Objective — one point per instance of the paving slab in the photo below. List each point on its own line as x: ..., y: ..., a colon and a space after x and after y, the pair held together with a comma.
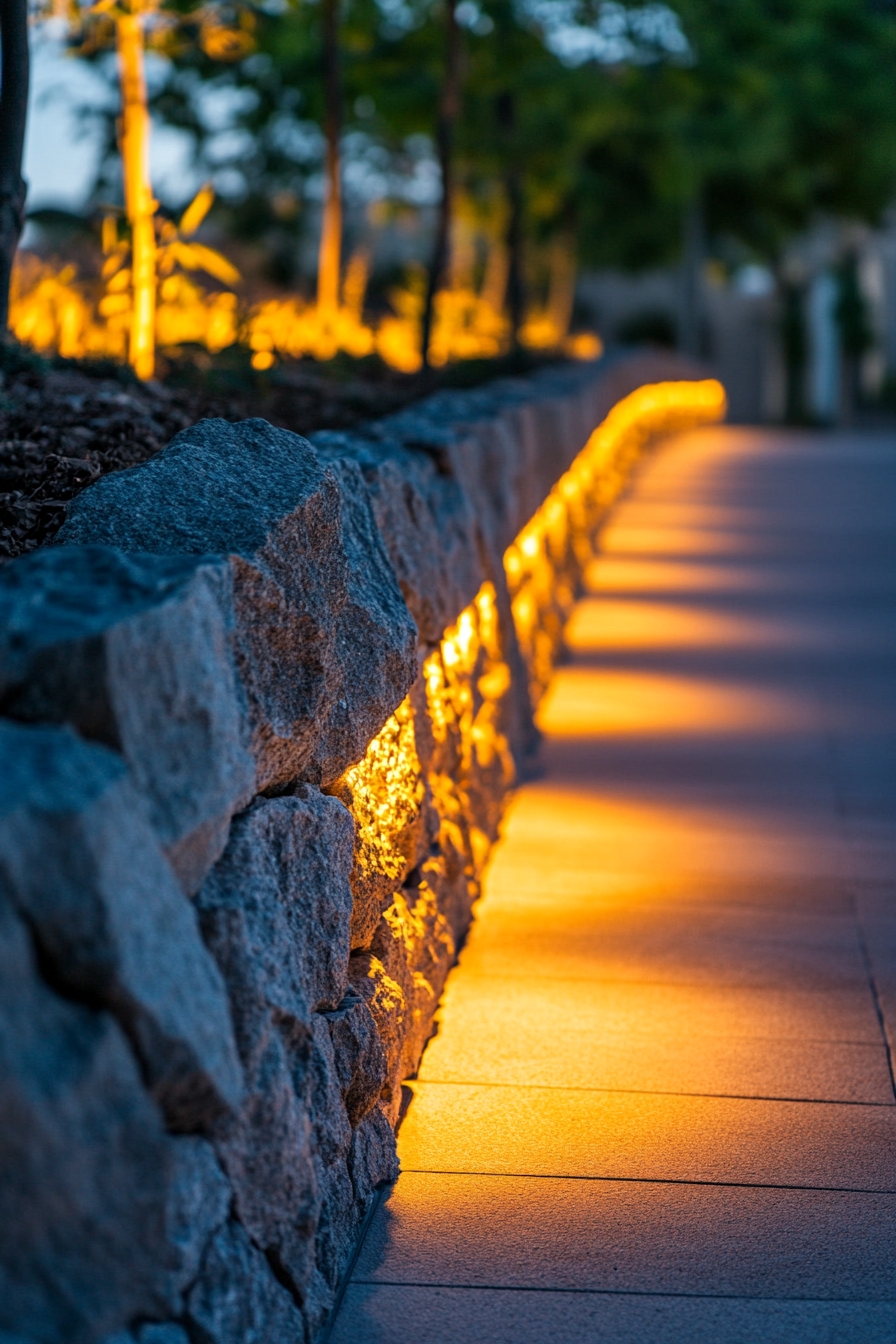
x: 632, y: 1236
x: 457, y: 1127
x: 632, y: 1037
x: 393, y: 1314
x: 654, y: 943
x: 659, y: 1106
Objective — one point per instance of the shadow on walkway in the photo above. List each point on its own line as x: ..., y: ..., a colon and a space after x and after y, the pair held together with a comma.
x: 660, y: 1105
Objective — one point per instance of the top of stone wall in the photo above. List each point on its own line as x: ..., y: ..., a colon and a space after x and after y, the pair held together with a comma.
x: 245, y: 609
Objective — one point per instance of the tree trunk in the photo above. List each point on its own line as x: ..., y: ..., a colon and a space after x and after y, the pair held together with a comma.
x: 138, y: 199
x: 449, y: 106
x: 505, y: 110
x: 329, y: 259
x: 13, y: 116
x: 693, y: 256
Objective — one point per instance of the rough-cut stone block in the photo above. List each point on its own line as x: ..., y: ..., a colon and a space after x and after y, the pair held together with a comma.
x: 395, y: 822
x: 136, y: 652
x: 276, y: 912
x: 325, y: 643
x: 84, y: 1166
x: 169, y: 1333
x: 267, y: 1154
x: 359, y: 1057
x: 237, y: 1299
x: 198, y: 1203
x: 373, y: 1160
x: 337, y: 1219
x: 82, y: 865
x: 417, y: 549
x: 425, y: 520
x: 415, y: 946
x: 400, y: 980
x: 346, y: 1173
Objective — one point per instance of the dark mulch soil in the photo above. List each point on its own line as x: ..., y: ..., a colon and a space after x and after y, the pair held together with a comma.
x: 64, y: 425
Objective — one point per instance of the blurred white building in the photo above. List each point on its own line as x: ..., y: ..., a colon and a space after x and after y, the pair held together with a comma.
x: 741, y: 324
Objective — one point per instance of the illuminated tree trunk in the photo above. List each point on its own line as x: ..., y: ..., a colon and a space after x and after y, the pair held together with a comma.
x: 13, y: 114
x: 139, y: 204
x: 448, y: 110
x: 329, y: 260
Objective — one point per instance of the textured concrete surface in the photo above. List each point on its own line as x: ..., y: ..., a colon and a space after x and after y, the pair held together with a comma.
x: 660, y: 1103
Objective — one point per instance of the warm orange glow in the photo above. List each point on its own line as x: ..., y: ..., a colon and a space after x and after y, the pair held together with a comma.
x: 146, y: 301
x: 466, y: 325
x: 386, y: 791
x: 663, y: 980
x: 139, y: 204
x: 545, y: 562
x: 614, y: 625
x: 52, y: 310
x: 617, y: 574
x: 330, y: 256
x: 547, y: 328
x: 598, y: 702
x: 465, y: 682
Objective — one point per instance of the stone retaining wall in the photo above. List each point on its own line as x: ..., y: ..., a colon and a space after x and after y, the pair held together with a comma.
x: 262, y: 705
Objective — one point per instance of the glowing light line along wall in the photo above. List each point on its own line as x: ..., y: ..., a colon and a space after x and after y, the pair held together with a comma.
x: 263, y: 704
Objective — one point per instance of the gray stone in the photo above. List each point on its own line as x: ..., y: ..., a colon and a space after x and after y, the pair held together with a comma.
x: 425, y: 521
x: 325, y: 643
x: 276, y: 910
x: 373, y: 1160
x: 267, y: 1153
x: 391, y: 840
x: 84, y: 1166
x: 359, y: 1057
x: 342, y: 1207
x: 136, y: 652
x: 375, y: 635
x: 419, y: 556
x: 337, y: 1219
x: 414, y: 945
x: 237, y: 1299
x: 393, y: 1014
x: 82, y: 865
x: 276, y: 913
x: 198, y: 1203
x: 332, y: 1131
x: 168, y: 1333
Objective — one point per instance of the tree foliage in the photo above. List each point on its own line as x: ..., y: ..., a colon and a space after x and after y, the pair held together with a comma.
x: 608, y: 120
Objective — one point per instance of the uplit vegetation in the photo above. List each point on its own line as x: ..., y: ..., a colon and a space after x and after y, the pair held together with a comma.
x: 420, y: 179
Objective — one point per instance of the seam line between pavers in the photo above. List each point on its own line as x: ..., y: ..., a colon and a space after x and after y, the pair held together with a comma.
x: 616, y: 1292
x: 876, y: 999
x: 765, y: 987
x: 643, y: 1033
x: 843, y: 821
x: 647, y: 1180
x: 650, y: 1092
x: 764, y: 909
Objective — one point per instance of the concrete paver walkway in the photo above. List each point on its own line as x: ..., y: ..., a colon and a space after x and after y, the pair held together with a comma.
x: 660, y: 1104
